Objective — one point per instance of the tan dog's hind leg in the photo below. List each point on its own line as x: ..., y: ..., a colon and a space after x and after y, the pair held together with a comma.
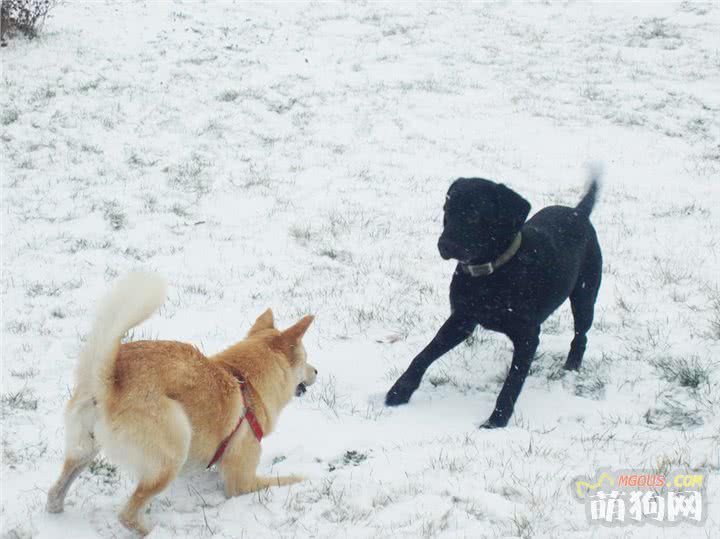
x: 71, y: 470
x: 155, y: 444
x: 80, y: 447
x: 239, y: 468
x: 131, y: 516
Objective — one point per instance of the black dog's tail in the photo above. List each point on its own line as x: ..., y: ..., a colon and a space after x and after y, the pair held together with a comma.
x: 584, y: 208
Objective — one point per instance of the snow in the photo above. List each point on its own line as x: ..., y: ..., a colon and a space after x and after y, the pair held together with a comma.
x: 297, y: 156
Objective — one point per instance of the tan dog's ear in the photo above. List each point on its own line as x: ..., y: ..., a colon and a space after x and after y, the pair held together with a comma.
x: 264, y: 321
x: 293, y: 334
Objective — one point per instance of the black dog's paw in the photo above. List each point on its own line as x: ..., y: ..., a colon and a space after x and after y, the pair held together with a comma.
x: 399, y: 394
x: 494, y: 422
x: 571, y: 366
x: 396, y: 398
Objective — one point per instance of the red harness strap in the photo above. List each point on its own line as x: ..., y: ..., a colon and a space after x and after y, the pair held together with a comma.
x: 252, y: 421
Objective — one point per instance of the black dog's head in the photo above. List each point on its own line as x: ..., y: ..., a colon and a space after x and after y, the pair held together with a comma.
x: 481, y: 220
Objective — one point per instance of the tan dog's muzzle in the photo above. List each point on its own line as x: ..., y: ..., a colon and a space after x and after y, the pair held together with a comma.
x: 308, y: 380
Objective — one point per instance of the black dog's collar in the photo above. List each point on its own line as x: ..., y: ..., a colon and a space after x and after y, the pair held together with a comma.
x: 483, y: 270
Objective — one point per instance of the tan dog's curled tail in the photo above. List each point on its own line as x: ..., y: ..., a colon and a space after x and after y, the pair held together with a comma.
x: 131, y: 301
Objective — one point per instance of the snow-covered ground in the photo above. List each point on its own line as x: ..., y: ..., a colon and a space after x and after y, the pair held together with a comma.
x: 297, y: 156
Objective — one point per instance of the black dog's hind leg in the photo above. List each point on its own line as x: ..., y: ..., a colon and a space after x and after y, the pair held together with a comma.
x: 524, y: 345
x: 455, y: 330
x: 582, y: 301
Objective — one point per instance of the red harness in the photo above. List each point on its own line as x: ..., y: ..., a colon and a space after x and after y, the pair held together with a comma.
x: 251, y: 419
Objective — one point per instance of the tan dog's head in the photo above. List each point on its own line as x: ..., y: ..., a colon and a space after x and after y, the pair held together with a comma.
x: 289, y: 343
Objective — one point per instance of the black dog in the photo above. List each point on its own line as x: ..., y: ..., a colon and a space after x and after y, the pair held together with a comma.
x: 510, y: 277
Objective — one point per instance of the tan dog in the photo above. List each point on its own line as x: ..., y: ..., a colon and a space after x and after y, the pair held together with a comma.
x: 155, y: 406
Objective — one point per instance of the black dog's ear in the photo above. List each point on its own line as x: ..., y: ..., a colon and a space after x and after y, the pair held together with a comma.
x: 453, y: 187
x: 512, y: 208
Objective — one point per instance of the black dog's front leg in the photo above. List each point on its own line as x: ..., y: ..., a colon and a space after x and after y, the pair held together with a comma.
x: 524, y: 345
x: 455, y: 330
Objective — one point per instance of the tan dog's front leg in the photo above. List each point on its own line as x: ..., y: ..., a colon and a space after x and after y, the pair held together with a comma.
x: 253, y: 484
x: 239, y: 469
x: 277, y: 481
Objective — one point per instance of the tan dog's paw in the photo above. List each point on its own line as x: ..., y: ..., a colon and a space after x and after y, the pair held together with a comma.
x: 238, y: 488
x: 280, y: 480
x: 133, y: 523
x: 54, y: 503
x: 290, y: 479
